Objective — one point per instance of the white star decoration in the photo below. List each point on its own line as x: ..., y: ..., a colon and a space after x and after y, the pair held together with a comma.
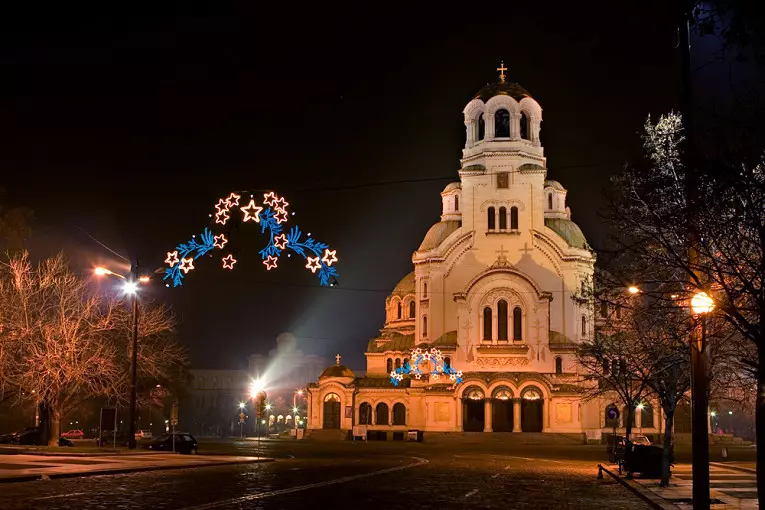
x: 329, y: 257
x: 251, y: 212
x: 313, y: 264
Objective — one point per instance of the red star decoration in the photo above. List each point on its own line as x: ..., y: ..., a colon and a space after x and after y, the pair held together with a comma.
x: 313, y: 264
x: 172, y: 258
x: 233, y: 200
x: 251, y: 212
x: 221, y: 217
x: 280, y: 216
x: 270, y: 262
x: 220, y: 241
x: 280, y: 204
x: 270, y: 198
x: 330, y: 256
x: 280, y: 241
x: 222, y: 205
x: 228, y: 261
x: 187, y: 265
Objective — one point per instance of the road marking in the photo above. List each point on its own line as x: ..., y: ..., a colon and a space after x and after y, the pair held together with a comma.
x: 270, y: 494
x: 291, y: 456
x: 495, y: 475
x: 71, y: 494
x: 529, y: 458
x: 470, y: 493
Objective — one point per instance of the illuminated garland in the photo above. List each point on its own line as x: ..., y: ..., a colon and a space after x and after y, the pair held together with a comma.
x: 413, y: 367
x: 270, y: 215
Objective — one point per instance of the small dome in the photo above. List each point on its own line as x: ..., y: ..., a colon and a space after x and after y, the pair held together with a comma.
x: 337, y: 371
x: 405, y: 286
x: 451, y: 187
x: 554, y: 185
x: 502, y: 89
x: 437, y: 234
x: 569, y: 231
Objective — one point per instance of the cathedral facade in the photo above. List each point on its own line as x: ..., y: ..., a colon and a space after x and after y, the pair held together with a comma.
x: 492, y: 288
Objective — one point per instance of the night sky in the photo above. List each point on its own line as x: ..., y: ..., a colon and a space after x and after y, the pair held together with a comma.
x: 130, y: 125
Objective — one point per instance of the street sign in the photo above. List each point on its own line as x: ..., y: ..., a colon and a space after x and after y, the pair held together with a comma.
x: 612, y: 413
x: 174, y: 415
x: 241, y: 417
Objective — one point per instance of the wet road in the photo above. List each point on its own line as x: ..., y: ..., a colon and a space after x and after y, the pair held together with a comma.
x: 349, y: 475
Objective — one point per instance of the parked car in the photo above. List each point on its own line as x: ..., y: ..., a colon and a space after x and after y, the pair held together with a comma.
x: 184, y: 443
x: 62, y: 441
x: 640, y: 439
x: 27, y: 436
x: 143, y: 434
x: 7, y: 438
x: 73, y: 434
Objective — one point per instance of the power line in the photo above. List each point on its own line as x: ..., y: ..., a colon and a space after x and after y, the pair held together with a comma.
x: 102, y: 244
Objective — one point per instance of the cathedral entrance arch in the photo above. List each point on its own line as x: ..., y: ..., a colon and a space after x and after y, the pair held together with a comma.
x: 502, y: 409
x: 331, y: 412
x: 532, y: 408
x: 473, y: 416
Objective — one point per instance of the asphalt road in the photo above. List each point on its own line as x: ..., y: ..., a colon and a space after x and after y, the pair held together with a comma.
x: 452, y: 474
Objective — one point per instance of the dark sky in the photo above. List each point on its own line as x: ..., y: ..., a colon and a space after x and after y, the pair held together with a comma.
x: 131, y: 124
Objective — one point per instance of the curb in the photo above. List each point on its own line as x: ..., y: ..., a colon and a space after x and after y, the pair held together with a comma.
x: 122, y: 471
x: 649, y: 497
x: 734, y: 468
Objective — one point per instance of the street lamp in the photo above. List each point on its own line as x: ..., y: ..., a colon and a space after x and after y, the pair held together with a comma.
x: 633, y: 289
x: 295, y: 410
x: 131, y: 288
x: 701, y: 305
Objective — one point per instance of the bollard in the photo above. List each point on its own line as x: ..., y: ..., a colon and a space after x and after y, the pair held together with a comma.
x: 600, y: 472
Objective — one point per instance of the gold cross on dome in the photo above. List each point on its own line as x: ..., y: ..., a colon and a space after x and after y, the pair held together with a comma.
x: 337, y: 359
x: 502, y: 70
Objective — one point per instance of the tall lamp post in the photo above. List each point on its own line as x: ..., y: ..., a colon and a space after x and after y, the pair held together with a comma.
x: 295, y: 409
x: 701, y: 305
x: 130, y: 288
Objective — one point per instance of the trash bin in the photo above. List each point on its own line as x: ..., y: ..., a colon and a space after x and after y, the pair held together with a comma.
x: 414, y: 435
x: 643, y: 459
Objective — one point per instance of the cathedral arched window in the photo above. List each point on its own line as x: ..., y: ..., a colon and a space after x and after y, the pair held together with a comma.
x: 424, y: 325
x: 398, y: 362
x: 549, y: 202
x: 399, y: 414
x: 424, y: 290
x: 524, y: 126
x: 389, y: 365
x: 513, y: 218
x: 492, y: 218
x: 398, y: 310
x: 447, y: 362
x: 487, y: 323
x: 381, y: 414
x: 502, y: 218
x: 456, y: 203
x: 502, y: 124
x: 517, y: 325
x: 646, y: 415
x: 481, y: 128
x: 365, y: 414
x: 584, y: 325
x: 502, y: 320
x: 558, y: 365
x: 411, y: 309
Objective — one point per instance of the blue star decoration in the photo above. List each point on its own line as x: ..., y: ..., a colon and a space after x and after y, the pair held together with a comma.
x: 270, y: 215
x: 413, y: 367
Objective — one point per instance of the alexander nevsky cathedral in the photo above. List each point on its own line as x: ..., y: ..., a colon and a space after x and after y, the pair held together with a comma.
x: 492, y: 289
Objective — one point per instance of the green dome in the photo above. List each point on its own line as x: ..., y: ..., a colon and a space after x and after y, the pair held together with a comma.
x: 554, y: 185
x: 502, y: 89
x: 452, y: 186
x: 437, y: 233
x: 569, y: 231
x: 405, y: 286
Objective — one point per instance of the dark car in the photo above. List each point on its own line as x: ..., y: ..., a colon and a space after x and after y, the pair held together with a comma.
x: 184, y: 443
x: 30, y: 436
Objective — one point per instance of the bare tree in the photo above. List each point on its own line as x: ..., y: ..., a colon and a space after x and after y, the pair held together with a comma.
x: 61, y: 342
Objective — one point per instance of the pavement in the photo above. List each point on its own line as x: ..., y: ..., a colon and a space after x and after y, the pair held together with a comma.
x: 45, y: 466
x: 521, y: 473
x: 732, y: 486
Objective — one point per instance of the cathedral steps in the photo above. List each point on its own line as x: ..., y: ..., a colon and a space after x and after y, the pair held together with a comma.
x: 326, y: 435
x: 519, y: 438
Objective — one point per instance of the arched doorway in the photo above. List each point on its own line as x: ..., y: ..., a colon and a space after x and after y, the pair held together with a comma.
x: 331, y: 412
x: 473, y: 410
x: 502, y: 410
x: 532, y: 407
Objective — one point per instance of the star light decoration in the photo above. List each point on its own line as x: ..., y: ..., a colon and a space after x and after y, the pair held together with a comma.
x: 270, y: 216
x: 413, y: 367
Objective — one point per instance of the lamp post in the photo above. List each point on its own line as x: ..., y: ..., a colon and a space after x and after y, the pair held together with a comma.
x: 130, y: 288
x: 295, y: 409
x: 701, y: 305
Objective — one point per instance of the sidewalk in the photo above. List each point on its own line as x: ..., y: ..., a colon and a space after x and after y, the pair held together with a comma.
x: 24, y: 467
x: 733, y: 486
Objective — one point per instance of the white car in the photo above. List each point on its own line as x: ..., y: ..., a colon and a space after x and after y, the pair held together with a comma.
x: 640, y: 439
x: 143, y: 434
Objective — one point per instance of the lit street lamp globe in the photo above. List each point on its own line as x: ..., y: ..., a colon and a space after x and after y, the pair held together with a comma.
x: 701, y: 302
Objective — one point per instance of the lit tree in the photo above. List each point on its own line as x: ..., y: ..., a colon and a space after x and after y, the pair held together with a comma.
x: 62, y: 343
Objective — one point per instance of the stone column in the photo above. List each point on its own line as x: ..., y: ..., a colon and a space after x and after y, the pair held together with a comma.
x: 515, y: 126
x: 487, y: 415
x: 470, y: 126
x: 546, y: 404
x: 516, y: 415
